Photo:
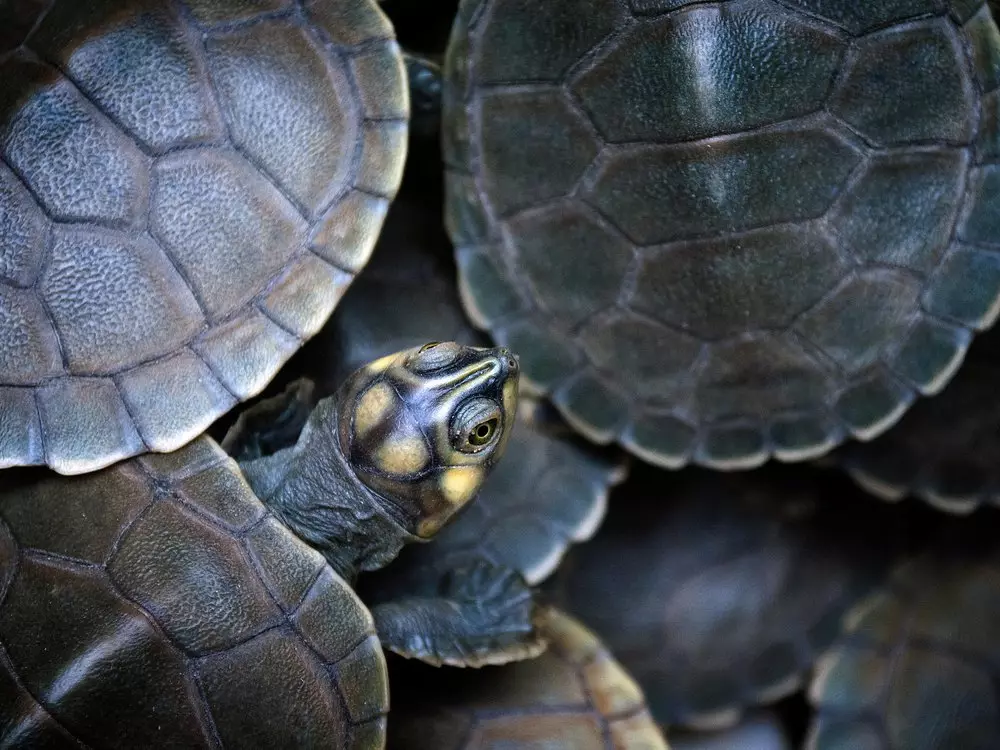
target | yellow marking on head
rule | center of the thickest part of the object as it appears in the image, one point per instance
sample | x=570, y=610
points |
x=510, y=399
x=402, y=454
x=380, y=365
x=372, y=407
x=459, y=484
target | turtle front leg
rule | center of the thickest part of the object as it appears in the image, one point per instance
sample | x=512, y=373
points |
x=271, y=424
x=479, y=614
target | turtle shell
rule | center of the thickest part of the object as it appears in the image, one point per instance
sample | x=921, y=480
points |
x=575, y=696
x=157, y=603
x=946, y=449
x=916, y=669
x=547, y=493
x=717, y=232
x=186, y=189
x=719, y=594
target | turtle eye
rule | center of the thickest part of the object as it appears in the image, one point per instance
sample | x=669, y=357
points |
x=476, y=425
x=483, y=432
x=428, y=346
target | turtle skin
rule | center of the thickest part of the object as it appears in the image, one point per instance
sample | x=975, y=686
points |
x=573, y=697
x=917, y=667
x=546, y=495
x=946, y=449
x=186, y=189
x=718, y=593
x=718, y=232
x=158, y=603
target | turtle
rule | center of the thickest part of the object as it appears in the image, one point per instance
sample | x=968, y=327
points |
x=573, y=697
x=187, y=600
x=718, y=592
x=719, y=232
x=186, y=189
x=916, y=668
x=548, y=493
x=945, y=449
x=762, y=731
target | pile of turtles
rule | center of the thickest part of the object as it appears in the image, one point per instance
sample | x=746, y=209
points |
x=500, y=374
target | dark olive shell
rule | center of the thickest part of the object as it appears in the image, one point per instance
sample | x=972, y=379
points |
x=575, y=696
x=946, y=449
x=718, y=232
x=158, y=604
x=186, y=189
x=718, y=593
x=917, y=667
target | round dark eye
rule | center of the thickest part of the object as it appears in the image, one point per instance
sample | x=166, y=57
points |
x=476, y=425
x=483, y=432
x=428, y=346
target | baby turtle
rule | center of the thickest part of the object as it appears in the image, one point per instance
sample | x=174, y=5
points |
x=917, y=667
x=946, y=449
x=547, y=494
x=169, y=600
x=186, y=189
x=573, y=697
x=719, y=593
x=718, y=232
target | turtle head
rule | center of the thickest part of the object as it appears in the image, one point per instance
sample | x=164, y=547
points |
x=423, y=428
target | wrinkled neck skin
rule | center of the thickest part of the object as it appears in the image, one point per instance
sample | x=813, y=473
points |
x=313, y=490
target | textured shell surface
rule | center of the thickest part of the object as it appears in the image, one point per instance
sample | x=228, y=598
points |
x=917, y=667
x=719, y=593
x=186, y=190
x=717, y=232
x=157, y=603
x=573, y=697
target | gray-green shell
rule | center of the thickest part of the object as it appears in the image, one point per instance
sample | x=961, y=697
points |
x=545, y=495
x=718, y=593
x=722, y=231
x=946, y=449
x=157, y=603
x=917, y=667
x=186, y=189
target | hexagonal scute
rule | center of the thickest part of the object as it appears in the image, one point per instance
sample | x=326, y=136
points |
x=641, y=356
x=76, y=162
x=195, y=579
x=115, y=302
x=102, y=667
x=273, y=692
x=865, y=318
x=574, y=265
x=78, y=518
x=661, y=194
x=908, y=85
x=762, y=376
x=902, y=210
x=285, y=107
x=29, y=344
x=23, y=228
x=710, y=69
x=858, y=17
x=738, y=283
x=224, y=225
x=137, y=66
x=534, y=147
x=519, y=43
